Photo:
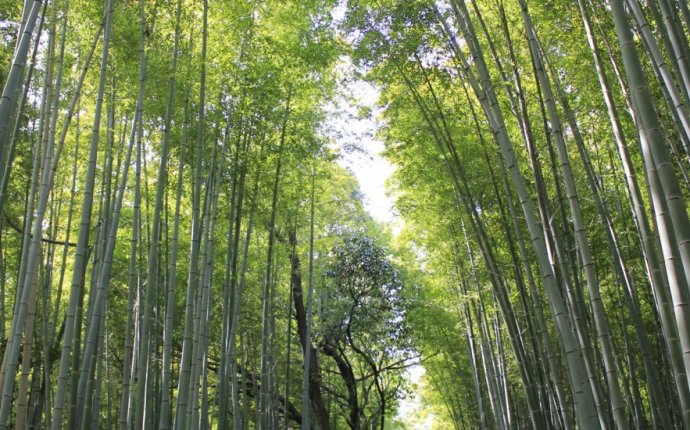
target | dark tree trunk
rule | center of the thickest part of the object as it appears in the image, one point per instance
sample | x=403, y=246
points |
x=315, y=394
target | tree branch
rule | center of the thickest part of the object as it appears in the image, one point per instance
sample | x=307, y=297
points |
x=43, y=239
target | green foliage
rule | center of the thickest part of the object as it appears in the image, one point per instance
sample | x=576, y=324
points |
x=363, y=291
x=457, y=289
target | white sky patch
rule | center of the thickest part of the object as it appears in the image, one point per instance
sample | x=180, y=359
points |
x=353, y=126
x=411, y=406
x=372, y=172
x=339, y=11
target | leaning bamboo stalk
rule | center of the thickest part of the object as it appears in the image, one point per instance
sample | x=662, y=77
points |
x=201, y=304
x=7, y=155
x=657, y=397
x=14, y=78
x=79, y=261
x=99, y=302
x=85, y=222
x=600, y=318
x=238, y=409
x=239, y=172
x=266, y=309
x=650, y=245
x=584, y=398
x=678, y=44
x=43, y=121
x=656, y=57
x=200, y=397
x=144, y=359
x=674, y=226
x=167, y=336
x=165, y=412
x=133, y=281
x=29, y=266
x=183, y=414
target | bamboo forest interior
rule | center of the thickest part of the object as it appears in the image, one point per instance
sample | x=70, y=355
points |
x=344, y=214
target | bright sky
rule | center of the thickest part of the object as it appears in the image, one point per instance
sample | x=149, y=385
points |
x=361, y=151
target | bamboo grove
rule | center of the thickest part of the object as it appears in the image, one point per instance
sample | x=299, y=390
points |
x=542, y=166
x=180, y=247
x=174, y=220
